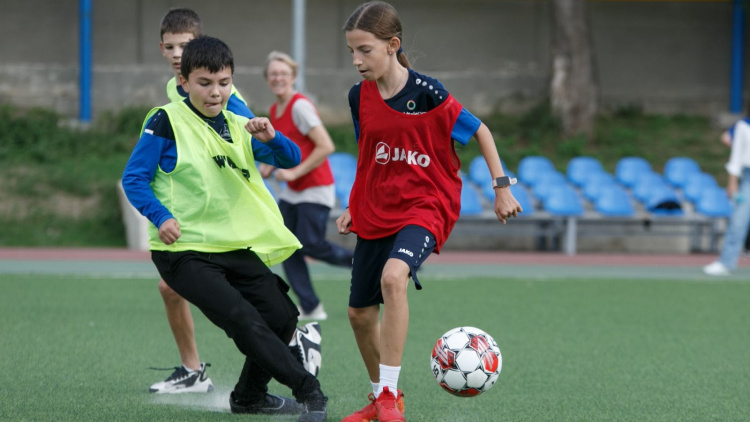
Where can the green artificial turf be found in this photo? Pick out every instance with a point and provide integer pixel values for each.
(79, 349)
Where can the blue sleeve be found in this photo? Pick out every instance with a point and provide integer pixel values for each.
(238, 107)
(139, 172)
(356, 127)
(466, 126)
(279, 152)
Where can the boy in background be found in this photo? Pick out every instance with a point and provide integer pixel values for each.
(178, 27)
(217, 230)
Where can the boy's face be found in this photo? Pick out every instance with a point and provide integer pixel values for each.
(171, 47)
(209, 92)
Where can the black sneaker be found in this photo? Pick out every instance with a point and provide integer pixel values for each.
(184, 381)
(315, 408)
(268, 405)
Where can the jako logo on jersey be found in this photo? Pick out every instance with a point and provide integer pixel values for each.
(410, 253)
(383, 156)
(382, 153)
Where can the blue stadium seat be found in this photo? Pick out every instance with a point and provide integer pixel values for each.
(343, 188)
(270, 188)
(663, 200)
(563, 200)
(714, 202)
(677, 170)
(343, 165)
(596, 184)
(581, 168)
(697, 183)
(531, 167)
(344, 169)
(524, 199)
(545, 183)
(471, 203)
(629, 168)
(479, 173)
(614, 202)
(645, 183)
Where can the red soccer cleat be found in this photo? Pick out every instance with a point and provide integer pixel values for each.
(369, 413)
(387, 407)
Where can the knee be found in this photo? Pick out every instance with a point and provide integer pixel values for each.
(393, 283)
(360, 318)
(244, 319)
(169, 295)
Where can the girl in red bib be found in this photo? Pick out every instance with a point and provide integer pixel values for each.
(406, 195)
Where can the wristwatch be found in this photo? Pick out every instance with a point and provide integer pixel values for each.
(503, 182)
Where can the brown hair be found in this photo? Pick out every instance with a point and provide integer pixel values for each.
(381, 20)
(206, 52)
(181, 21)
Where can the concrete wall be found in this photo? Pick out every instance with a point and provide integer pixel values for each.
(491, 54)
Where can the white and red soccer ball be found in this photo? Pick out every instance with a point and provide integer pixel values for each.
(466, 361)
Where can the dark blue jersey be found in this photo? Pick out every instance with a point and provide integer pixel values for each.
(420, 95)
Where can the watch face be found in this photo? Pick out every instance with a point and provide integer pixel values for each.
(503, 181)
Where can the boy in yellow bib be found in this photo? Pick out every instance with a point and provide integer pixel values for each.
(216, 228)
(178, 27)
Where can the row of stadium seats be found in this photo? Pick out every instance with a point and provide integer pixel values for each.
(585, 187)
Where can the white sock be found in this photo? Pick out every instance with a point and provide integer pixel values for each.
(389, 378)
(374, 388)
(188, 369)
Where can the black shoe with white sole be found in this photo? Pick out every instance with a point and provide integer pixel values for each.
(267, 405)
(315, 408)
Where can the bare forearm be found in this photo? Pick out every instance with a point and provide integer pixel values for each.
(489, 150)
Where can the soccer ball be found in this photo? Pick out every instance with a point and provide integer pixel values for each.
(466, 361)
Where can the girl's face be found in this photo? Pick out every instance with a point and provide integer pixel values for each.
(280, 78)
(369, 54)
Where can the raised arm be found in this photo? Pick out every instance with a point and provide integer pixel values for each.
(270, 146)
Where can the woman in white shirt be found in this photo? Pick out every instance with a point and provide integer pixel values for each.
(738, 188)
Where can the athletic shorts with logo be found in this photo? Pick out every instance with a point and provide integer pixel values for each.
(412, 244)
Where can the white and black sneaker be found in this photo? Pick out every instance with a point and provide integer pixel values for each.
(308, 346)
(184, 381)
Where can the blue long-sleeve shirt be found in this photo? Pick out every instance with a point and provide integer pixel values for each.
(157, 149)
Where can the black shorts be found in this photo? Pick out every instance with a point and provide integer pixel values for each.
(412, 244)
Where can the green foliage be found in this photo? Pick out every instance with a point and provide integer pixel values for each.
(61, 180)
(39, 136)
(343, 138)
